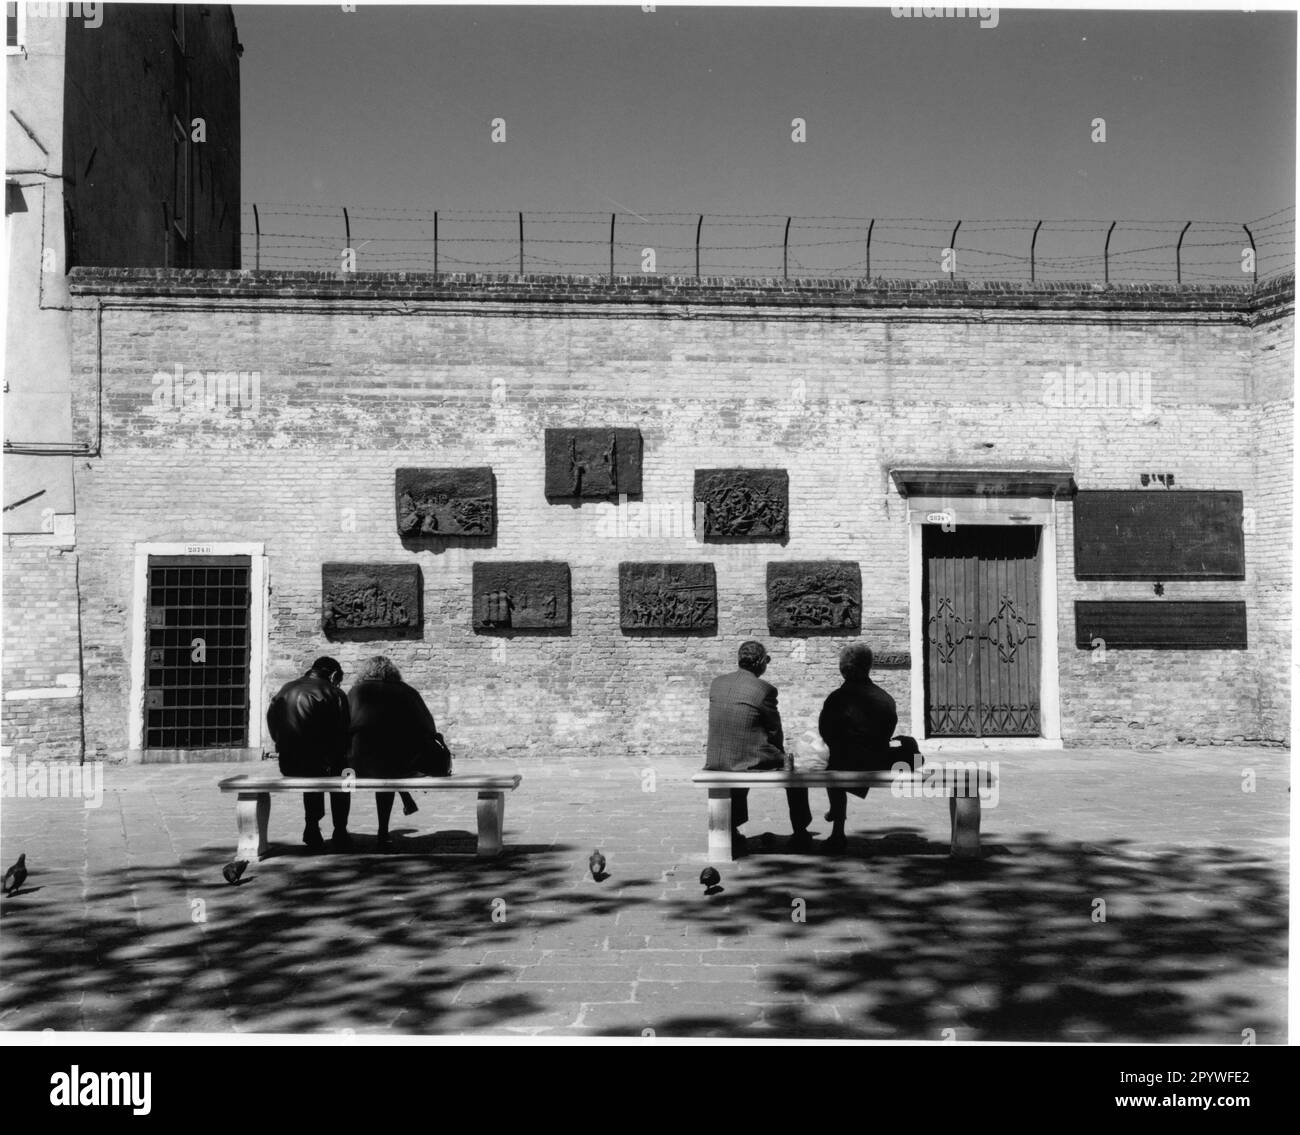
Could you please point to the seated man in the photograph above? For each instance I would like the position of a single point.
(308, 721)
(745, 733)
(857, 722)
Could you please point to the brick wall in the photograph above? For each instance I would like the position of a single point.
(41, 667)
(836, 384)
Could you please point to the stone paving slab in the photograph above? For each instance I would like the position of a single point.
(1123, 896)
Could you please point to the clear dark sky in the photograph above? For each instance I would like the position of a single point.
(690, 110)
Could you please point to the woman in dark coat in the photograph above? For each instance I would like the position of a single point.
(857, 722)
(392, 731)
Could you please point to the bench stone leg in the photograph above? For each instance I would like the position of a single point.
(964, 811)
(491, 823)
(253, 814)
(720, 825)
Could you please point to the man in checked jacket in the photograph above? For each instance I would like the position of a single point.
(745, 733)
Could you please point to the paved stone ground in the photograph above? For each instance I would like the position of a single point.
(126, 924)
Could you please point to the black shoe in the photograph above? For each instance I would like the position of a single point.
(342, 840)
(409, 806)
(801, 841)
(836, 844)
(312, 838)
(384, 841)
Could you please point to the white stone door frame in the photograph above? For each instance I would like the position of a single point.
(259, 602)
(991, 510)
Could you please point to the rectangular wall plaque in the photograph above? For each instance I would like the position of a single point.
(749, 504)
(592, 464)
(891, 660)
(527, 595)
(368, 597)
(658, 596)
(805, 595)
(1159, 535)
(446, 502)
(1146, 624)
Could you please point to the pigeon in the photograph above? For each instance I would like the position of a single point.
(597, 865)
(233, 870)
(709, 878)
(16, 876)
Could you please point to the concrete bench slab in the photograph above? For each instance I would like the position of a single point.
(253, 803)
(958, 781)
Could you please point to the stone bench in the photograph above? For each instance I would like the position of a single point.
(960, 783)
(253, 804)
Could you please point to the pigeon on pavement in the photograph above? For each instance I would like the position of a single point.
(597, 865)
(233, 870)
(16, 876)
(709, 878)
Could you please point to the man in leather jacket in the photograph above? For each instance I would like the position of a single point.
(309, 720)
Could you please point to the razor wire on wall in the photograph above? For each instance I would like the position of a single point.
(368, 239)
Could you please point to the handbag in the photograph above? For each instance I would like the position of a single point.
(435, 758)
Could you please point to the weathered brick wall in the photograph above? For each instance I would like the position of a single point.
(1269, 546)
(358, 377)
(41, 668)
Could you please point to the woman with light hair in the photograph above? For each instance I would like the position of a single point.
(392, 733)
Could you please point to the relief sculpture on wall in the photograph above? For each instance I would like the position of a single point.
(592, 464)
(804, 595)
(446, 502)
(370, 597)
(521, 595)
(743, 503)
(667, 596)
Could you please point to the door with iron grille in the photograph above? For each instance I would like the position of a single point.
(198, 646)
(982, 654)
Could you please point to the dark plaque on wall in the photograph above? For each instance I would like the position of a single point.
(891, 660)
(1145, 624)
(1159, 535)
(446, 502)
(749, 504)
(682, 597)
(521, 595)
(370, 597)
(592, 464)
(814, 595)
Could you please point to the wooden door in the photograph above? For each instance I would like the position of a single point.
(980, 596)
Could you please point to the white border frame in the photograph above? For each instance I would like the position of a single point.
(259, 600)
(1037, 512)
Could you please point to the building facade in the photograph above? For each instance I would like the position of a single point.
(122, 148)
(1061, 514)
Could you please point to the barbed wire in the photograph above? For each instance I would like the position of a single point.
(371, 238)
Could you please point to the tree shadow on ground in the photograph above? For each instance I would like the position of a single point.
(897, 940)
(305, 943)
(1040, 940)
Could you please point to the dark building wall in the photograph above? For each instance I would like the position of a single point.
(127, 84)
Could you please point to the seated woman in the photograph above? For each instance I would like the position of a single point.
(857, 722)
(392, 732)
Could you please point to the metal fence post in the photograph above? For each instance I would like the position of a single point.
(698, 227)
(1178, 252)
(1033, 245)
(1106, 251)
